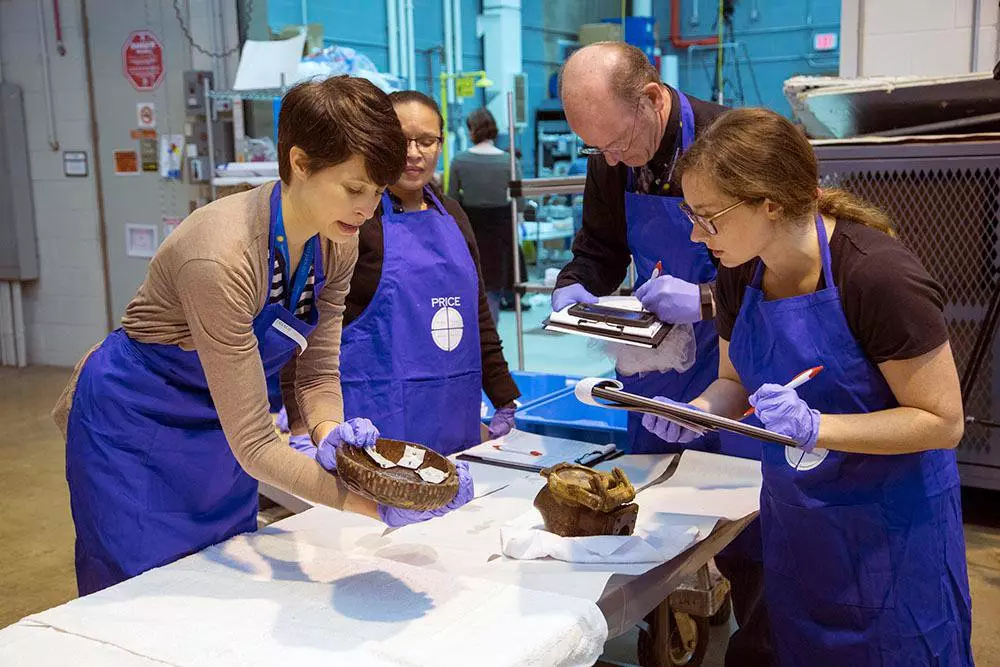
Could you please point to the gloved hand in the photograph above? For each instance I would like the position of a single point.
(671, 299)
(781, 410)
(282, 421)
(664, 428)
(302, 443)
(394, 517)
(567, 296)
(502, 422)
(358, 432)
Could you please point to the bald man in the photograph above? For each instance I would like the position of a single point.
(635, 127)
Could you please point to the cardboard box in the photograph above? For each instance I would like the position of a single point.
(600, 32)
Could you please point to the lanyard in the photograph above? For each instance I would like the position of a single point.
(301, 273)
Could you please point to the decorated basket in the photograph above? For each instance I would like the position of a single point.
(398, 486)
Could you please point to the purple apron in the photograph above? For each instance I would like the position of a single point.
(864, 556)
(411, 362)
(151, 475)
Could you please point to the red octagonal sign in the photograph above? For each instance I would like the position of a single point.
(142, 60)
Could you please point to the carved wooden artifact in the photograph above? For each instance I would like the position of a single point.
(580, 501)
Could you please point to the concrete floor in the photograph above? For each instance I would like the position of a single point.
(36, 530)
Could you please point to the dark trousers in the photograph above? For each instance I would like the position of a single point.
(740, 563)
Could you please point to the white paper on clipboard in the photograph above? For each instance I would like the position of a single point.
(529, 450)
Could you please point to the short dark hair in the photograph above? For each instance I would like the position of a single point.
(405, 96)
(337, 118)
(482, 125)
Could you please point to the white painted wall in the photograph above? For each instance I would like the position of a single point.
(916, 37)
(65, 308)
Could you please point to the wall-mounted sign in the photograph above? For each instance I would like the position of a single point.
(169, 225)
(142, 60)
(148, 155)
(465, 86)
(145, 115)
(75, 164)
(141, 240)
(126, 162)
(825, 41)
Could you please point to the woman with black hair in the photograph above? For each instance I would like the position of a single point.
(478, 181)
(419, 341)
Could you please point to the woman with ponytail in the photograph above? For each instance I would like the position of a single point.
(864, 555)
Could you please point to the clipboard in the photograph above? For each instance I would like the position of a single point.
(646, 332)
(551, 451)
(610, 395)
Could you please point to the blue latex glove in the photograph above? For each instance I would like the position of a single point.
(567, 296)
(394, 517)
(502, 422)
(781, 410)
(665, 429)
(304, 444)
(671, 299)
(282, 421)
(358, 432)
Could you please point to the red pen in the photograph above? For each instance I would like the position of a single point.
(796, 382)
(518, 451)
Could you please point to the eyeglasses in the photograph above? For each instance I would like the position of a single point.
(594, 150)
(425, 144)
(708, 222)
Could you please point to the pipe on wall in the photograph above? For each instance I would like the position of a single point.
(223, 62)
(676, 40)
(456, 21)
(448, 50)
(411, 45)
(403, 47)
(976, 25)
(392, 28)
(17, 306)
(43, 39)
(7, 347)
(102, 221)
(213, 25)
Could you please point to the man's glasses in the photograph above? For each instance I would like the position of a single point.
(612, 148)
(708, 222)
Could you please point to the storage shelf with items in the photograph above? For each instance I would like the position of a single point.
(233, 166)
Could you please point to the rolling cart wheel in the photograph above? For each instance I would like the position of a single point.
(687, 644)
(721, 617)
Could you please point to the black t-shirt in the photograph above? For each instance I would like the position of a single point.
(601, 255)
(892, 305)
(497, 381)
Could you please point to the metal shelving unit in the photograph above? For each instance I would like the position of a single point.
(236, 97)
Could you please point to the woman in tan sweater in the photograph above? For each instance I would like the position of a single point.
(167, 420)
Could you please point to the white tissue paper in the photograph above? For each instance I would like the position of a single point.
(526, 539)
(432, 475)
(378, 458)
(412, 458)
(675, 353)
